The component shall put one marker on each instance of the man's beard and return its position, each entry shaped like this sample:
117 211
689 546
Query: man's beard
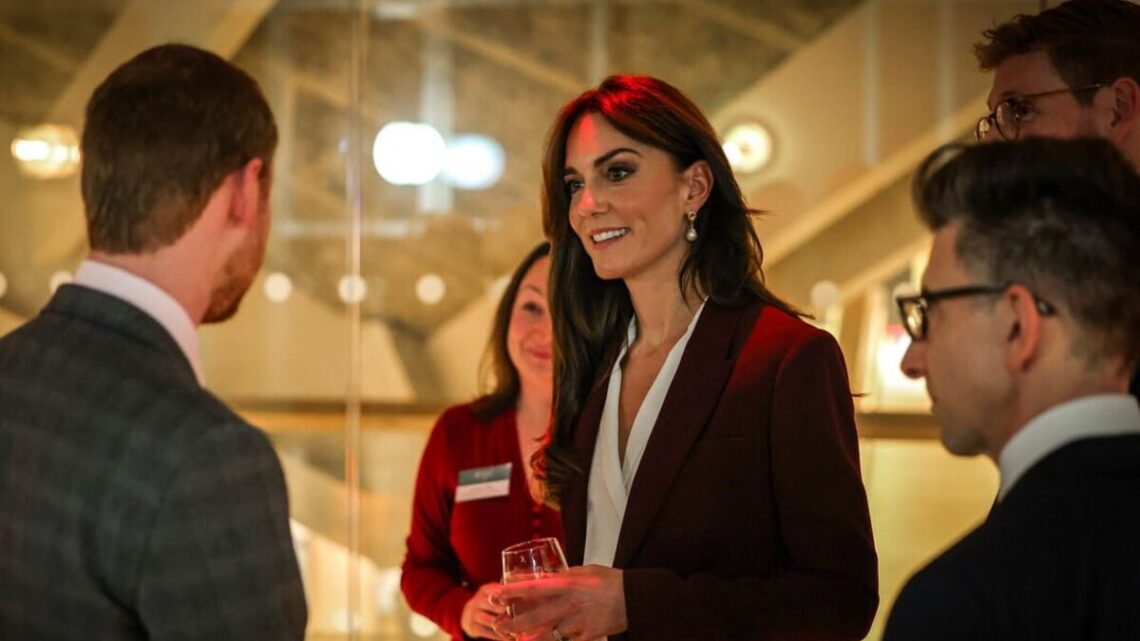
237 275
226 297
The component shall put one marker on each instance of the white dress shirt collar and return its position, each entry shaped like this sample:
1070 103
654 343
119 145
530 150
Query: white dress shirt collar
611 476
1089 416
148 298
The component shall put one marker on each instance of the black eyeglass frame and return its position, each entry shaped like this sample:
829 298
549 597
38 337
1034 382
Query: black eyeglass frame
993 120
922 302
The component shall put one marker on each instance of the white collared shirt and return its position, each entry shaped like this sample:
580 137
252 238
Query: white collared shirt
611 477
148 298
1089 416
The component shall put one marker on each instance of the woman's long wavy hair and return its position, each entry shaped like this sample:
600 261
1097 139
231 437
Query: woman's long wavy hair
497 368
590 315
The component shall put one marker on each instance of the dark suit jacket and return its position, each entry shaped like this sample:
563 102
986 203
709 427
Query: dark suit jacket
1057 559
747 518
133 504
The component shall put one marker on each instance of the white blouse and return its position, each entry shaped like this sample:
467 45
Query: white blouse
611 477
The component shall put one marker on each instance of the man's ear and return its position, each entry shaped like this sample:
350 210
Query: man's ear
699 183
1125 108
246 201
1025 332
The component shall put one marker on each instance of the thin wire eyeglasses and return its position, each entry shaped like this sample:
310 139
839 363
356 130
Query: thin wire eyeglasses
914 309
1008 114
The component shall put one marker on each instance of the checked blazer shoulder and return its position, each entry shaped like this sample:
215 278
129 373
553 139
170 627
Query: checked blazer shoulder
133 503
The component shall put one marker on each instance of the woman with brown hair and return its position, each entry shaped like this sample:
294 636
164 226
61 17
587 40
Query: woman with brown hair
472 496
703 451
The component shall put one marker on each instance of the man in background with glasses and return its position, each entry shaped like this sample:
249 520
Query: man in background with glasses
1067 72
1026 333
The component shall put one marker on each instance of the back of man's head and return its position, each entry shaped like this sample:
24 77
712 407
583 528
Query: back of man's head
1059 216
1087 41
162 132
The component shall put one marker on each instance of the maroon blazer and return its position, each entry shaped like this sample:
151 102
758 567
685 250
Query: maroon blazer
747 518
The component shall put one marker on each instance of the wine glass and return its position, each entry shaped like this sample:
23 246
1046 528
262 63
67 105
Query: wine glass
530 560
533 559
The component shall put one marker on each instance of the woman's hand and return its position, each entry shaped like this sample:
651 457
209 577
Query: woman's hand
584 603
481 611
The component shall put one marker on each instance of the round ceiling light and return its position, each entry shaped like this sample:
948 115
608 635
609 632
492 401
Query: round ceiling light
430 289
278 287
58 279
408 153
749 147
46 151
474 161
824 294
352 288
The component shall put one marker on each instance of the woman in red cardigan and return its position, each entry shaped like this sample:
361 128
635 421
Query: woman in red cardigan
473 493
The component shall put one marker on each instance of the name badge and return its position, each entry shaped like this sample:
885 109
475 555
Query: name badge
483 483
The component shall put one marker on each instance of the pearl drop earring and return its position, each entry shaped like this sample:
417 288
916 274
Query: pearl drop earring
691 233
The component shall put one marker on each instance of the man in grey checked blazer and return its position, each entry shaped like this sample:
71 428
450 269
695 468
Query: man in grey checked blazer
133 503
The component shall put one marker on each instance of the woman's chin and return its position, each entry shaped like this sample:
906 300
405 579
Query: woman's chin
607 272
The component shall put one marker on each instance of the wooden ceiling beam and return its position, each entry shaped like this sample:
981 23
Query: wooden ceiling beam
46 54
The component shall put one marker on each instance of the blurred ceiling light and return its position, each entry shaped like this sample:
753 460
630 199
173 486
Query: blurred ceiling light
474 161
352 288
3 285
824 294
46 151
499 287
345 620
388 590
278 287
62 277
422 626
430 289
408 153
748 147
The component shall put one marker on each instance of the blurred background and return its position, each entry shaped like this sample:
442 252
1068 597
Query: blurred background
407 187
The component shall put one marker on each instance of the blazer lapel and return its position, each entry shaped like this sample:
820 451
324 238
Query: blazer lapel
693 395
574 499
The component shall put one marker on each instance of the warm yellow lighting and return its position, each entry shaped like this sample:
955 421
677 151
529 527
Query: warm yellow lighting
278 287
748 146
62 277
388 590
3 285
824 294
352 289
499 287
345 621
46 151
430 289
422 626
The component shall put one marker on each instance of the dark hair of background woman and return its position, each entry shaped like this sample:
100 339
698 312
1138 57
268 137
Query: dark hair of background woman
497 364
590 315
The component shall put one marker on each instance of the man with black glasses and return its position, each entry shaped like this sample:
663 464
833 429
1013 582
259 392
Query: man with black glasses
1025 332
1067 72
